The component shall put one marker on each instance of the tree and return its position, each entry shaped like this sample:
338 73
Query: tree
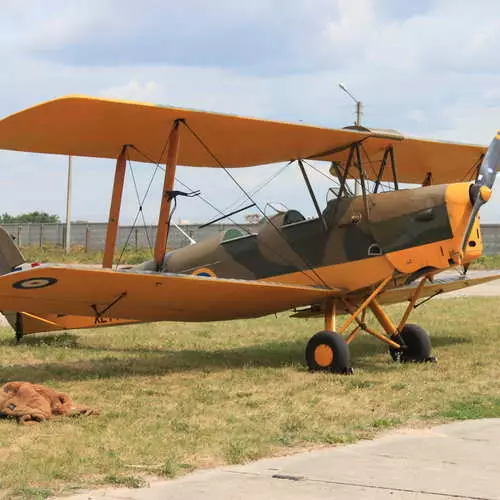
39 217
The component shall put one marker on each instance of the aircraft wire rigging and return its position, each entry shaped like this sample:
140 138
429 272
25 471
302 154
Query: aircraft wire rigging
473 172
140 211
183 184
387 185
158 165
258 188
141 202
262 212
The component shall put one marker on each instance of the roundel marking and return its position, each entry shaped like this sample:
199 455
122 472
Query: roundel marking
32 283
204 271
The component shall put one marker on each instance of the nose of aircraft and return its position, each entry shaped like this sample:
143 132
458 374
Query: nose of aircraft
463 224
480 191
464 215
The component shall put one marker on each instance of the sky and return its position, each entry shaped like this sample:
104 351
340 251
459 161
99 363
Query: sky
429 68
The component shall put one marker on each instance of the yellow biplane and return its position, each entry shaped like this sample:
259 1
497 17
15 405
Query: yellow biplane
358 254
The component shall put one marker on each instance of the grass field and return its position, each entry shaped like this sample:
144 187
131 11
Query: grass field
487 262
175 397
78 255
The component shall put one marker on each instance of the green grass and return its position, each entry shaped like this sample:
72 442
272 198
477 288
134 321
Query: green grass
487 262
474 406
176 397
27 493
125 481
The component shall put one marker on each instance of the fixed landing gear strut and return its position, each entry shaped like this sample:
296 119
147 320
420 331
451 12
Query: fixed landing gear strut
328 350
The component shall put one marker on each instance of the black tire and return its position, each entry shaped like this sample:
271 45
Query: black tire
327 351
417 345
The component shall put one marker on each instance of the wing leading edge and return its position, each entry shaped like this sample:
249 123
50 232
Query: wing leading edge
93 127
403 294
437 287
106 295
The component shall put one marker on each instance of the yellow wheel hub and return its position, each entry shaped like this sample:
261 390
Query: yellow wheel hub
323 355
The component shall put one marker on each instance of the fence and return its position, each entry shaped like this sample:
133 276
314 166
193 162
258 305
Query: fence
491 238
92 236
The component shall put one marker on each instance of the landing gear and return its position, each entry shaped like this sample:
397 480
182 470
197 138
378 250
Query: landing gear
415 345
19 327
327 351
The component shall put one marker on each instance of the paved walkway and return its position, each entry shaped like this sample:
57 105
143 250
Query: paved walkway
490 289
455 461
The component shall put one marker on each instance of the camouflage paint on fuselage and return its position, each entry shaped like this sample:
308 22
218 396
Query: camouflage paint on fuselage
397 221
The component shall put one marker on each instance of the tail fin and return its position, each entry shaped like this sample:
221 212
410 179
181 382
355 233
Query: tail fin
10 257
23 322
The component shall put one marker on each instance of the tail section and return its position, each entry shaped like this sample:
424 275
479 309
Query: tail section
10 257
24 322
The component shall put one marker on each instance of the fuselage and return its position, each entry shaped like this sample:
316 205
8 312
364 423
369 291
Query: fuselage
404 231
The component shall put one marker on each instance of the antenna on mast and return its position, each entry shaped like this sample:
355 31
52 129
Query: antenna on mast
357 123
359 105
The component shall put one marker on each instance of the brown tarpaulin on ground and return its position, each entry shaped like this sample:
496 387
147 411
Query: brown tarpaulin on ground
35 403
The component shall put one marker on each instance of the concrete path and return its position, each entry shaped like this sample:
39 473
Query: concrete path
455 461
490 289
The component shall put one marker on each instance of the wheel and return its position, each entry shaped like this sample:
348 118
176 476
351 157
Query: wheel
416 342
327 351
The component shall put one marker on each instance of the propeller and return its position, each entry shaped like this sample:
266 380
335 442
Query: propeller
480 191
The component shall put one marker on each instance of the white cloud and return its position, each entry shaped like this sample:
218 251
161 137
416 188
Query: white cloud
427 68
134 90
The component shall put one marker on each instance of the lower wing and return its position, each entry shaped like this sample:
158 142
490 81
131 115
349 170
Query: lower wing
404 293
63 296
436 287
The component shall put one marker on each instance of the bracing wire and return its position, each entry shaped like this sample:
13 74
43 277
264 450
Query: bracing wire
158 166
141 203
140 211
301 257
471 173
387 185
332 179
211 205
259 187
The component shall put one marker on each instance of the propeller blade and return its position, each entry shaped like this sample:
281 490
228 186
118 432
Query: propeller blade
480 191
475 210
490 164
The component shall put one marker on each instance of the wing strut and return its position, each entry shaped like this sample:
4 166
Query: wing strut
114 209
311 193
388 156
166 199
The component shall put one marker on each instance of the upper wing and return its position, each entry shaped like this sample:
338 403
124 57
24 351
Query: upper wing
415 158
85 126
147 296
